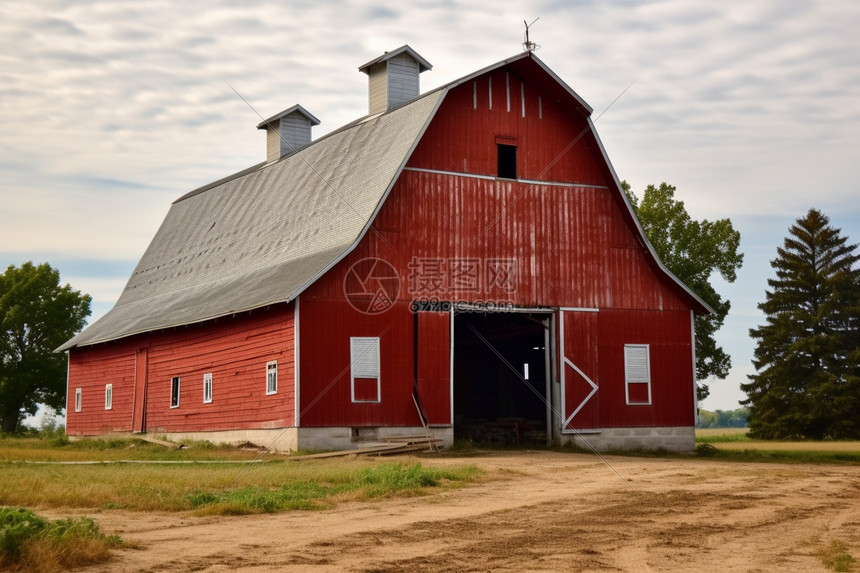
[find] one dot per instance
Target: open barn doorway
(500, 377)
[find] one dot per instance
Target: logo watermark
(435, 284)
(371, 285)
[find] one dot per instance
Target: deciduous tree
(807, 358)
(36, 316)
(693, 250)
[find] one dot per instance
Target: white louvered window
(207, 388)
(108, 396)
(272, 377)
(637, 374)
(78, 399)
(364, 368)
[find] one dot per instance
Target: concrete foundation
(289, 439)
(673, 439)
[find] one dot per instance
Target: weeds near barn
(30, 543)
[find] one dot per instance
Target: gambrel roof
(263, 235)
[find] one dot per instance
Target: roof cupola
(287, 131)
(393, 78)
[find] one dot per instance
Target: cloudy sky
(111, 110)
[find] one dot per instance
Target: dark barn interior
(500, 377)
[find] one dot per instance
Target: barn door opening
(500, 377)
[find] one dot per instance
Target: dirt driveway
(546, 511)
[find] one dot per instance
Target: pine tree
(808, 354)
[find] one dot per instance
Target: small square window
(108, 396)
(272, 377)
(207, 388)
(78, 399)
(174, 392)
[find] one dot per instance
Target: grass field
(733, 443)
(133, 475)
(60, 449)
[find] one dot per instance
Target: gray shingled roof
(263, 236)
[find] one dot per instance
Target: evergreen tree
(808, 354)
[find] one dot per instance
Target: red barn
(463, 259)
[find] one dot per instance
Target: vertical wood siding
(553, 143)
(326, 326)
(668, 335)
(234, 350)
(434, 370)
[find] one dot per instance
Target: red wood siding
(571, 244)
(234, 350)
(552, 143)
(90, 369)
(326, 326)
(671, 355)
(434, 366)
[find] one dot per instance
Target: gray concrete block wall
(673, 439)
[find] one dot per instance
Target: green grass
(223, 488)
(29, 542)
(60, 449)
(781, 456)
(377, 481)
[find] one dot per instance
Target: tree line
(723, 418)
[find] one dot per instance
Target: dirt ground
(542, 511)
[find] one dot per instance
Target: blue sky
(111, 110)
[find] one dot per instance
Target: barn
(461, 262)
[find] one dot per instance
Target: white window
(108, 396)
(78, 399)
(364, 367)
(272, 377)
(174, 392)
(637, 374)
(207, 388)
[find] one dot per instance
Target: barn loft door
(433, 365)
(141, 365)
(579, 384)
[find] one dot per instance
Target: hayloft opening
(507, 161)
(500, 377)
